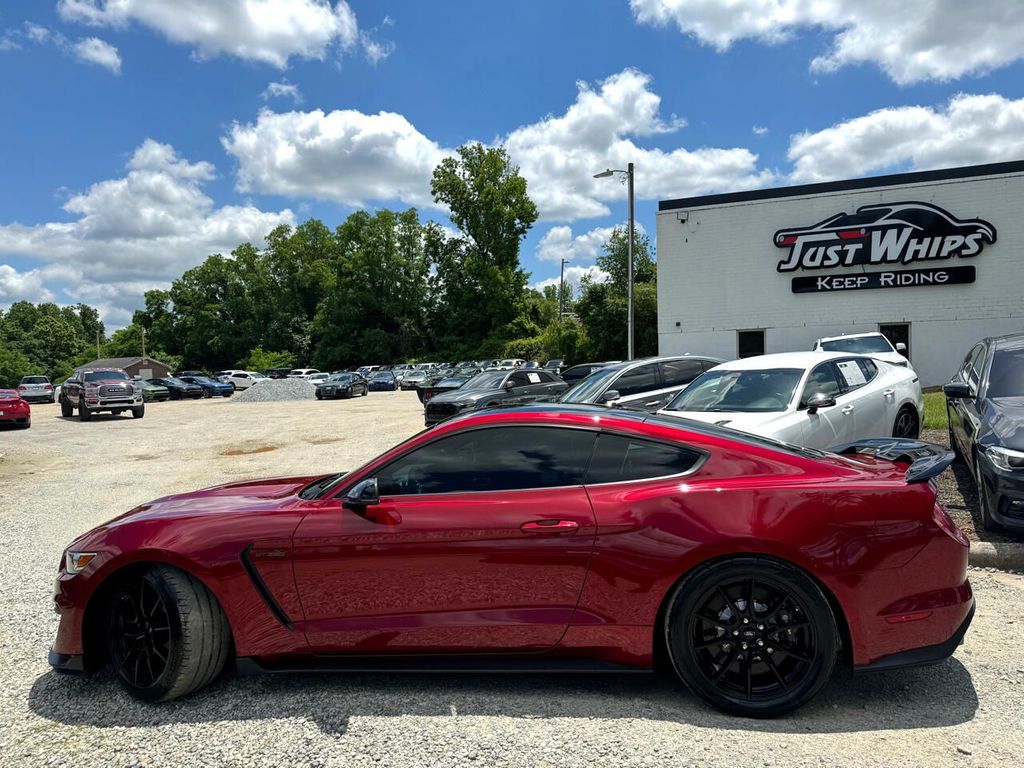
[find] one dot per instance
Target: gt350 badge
(894, 233)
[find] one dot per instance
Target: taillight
(22, 387)
(49, 387)
(945, 522)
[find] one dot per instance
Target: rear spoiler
(926, 460)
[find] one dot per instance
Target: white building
(933, 259)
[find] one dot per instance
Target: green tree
(260, 360)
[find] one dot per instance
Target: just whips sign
(893, 234)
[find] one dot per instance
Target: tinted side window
(618, 458)
(642, 379)
(851, 374)
(676, 373)
(975, 365)
(868, 368)
(500, 459)
(822, 380)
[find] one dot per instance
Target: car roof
(627, 364)
(1011, 341)
(823, 339)
(784, 360)
(97, 370)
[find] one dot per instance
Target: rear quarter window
(617, 459)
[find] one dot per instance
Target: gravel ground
(277, 391)
(63, 477)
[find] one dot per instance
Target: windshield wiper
(313, 490)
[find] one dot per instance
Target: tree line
(381, 287)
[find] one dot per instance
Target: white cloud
(760, 130)
(18, 286)
(558, 243)
(90, 50)
(134, 233)
(910, 40)
(574, 277)
(351, 157)
(375, 50)
(283, 90)
(559, 155)
(344, 155)
(970, 129)
(270, 31)
(96, 51)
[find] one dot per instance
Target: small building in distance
(143, 367)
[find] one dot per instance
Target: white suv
(871, 344)
(239, 379)
(302, 373)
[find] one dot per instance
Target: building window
(749, 343)
(897, 333)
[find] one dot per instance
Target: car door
(636, 387)
(872, 396)
(965, 417)
(827, 426)
(477, 541)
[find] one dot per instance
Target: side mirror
(509, 385)
(364, 494)
(958, 390)
(610, 396)
(820, 400)
(901, 347)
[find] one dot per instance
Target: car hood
(251, 497)
(1005, 415)
(764, 424)
(464, 396)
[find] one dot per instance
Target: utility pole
(561, 292)
(97, 344)
(143, 343)
(629, 269)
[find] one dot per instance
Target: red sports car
(548, 537)
(14, 410)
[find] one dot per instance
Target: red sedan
(544, 537)
(14, 410)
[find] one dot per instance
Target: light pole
(629, 254)
(561, 292)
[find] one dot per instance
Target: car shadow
(930, 697)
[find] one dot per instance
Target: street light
(629, 255)
(561, 291)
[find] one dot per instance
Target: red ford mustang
(547, 537)
(14, 410)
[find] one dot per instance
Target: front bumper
(66, 663)
(1004, 493)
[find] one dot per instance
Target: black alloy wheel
(752, 636)
(166, 634)
(906, 424)
(141, 638)
(207, 393)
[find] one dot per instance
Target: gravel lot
(63, 477)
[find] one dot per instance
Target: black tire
(783, 649)
(988, 523)
(907, 424)
(139, 411)
(207, 393)
(181, 643)
(83, 412)
(319, 396)
(958, 456)
(66, 408)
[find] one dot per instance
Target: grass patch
(935, 410)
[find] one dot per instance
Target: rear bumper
(919, 657)
(40, 398)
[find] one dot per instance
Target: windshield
(739, 391)
(1006, 379)
(413, 375)
(454, 381)
(106, 376)
(35, 380)
(863, 345)
(485, 380)
(7, 395)
(587, 390)
(340, 377)
(383, 375)
(205, 380)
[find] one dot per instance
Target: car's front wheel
(751, 636)
(166, 633)
(83, 410)
(139, 411)
(66, 408)
(906, 425)
(987, 521)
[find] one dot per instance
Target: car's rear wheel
(66, 408)
(751, 636)
(167, 634)
(83, 411)
(906, 425)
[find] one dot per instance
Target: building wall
(717, 273)
(149, 369)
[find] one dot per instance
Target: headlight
(75, 562)
(1005, 459)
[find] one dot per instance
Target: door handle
(847, 409)
(550, 527)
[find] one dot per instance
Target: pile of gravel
(277, 390)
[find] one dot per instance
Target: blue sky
(142, 135)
